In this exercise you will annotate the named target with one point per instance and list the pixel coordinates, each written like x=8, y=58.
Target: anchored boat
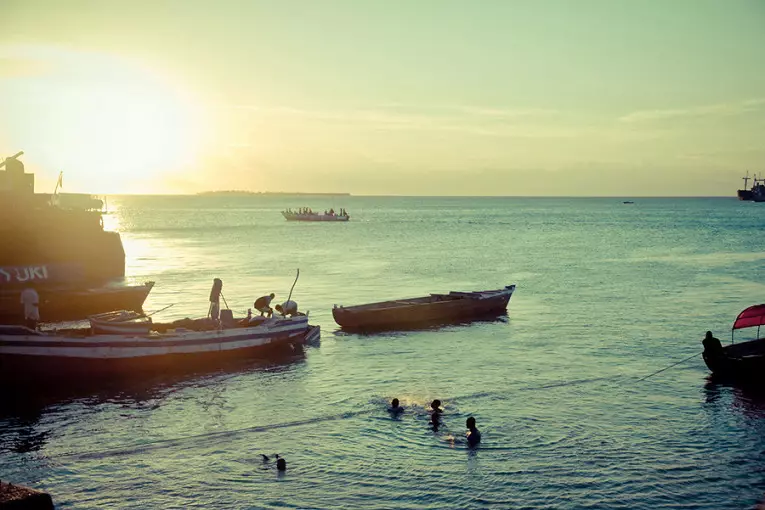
x=743, y=360
x=434, y=308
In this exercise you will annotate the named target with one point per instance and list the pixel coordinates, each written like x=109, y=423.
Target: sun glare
x=110, y=125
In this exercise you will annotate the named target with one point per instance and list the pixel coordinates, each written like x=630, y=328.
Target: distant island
x=241, y=193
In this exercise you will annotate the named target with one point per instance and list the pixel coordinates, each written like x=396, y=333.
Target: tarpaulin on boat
x=752, y=316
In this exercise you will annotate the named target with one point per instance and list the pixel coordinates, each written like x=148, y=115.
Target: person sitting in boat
x=712, y=345
x=31, y=302
x=331, y=212
x=263, y=305
x=473, y=434
x=288, y=308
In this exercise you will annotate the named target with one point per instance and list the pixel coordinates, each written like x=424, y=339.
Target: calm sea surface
x=607, y=293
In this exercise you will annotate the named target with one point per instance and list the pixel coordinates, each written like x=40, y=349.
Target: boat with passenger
x=743, y=360
x=431, y=309
x=307, y=214
x=126, y=343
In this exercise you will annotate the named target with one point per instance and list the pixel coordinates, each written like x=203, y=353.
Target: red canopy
x=752, y=316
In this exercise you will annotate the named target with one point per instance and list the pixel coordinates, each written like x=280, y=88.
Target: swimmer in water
x=436, y=406
x=473, y=434
x=394, y=407
x=435, y=421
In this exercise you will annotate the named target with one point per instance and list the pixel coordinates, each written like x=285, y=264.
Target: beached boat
x=432, y=309
x=178, y=345
x=293, y=216
x=743, y=360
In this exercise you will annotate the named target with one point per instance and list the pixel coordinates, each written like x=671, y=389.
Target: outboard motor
x=215, y=293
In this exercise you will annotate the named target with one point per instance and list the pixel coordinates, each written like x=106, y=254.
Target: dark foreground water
x=607, y=293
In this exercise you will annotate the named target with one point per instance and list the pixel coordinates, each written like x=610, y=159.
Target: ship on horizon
x=756, y=193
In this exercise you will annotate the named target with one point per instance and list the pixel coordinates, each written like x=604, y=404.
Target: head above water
x=435, y=405
x=281, y=465
x=394, y=403
x=470, y=423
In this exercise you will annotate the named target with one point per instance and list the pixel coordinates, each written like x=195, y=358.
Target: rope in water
x=170, y=442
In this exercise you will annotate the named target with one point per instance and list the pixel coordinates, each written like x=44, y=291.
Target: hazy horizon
x=427, y=98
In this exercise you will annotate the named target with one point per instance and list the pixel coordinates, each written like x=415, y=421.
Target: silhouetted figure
x=281, y=465
x=435, y=421
x=712, y=346
x=473, y=434
x=31, y=302
x=394, y=407
x=263, y=305
x=436, y=406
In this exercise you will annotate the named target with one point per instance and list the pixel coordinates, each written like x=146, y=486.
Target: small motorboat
x=432, y=309
x=743, y=360
x=312, y=216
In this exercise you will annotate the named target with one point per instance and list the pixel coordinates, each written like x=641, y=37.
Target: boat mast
x=746, y=179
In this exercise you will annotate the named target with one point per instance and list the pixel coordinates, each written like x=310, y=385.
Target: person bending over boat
x=263, y=305
x=473, y=434
x=289, y=307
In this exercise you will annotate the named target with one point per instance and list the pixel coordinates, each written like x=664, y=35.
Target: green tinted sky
x=415, y=97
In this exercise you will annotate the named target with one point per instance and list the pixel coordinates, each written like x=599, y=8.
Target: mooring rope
x=170, y=442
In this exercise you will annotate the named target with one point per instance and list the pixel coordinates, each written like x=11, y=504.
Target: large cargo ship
x=54, y=248
x=756, y=193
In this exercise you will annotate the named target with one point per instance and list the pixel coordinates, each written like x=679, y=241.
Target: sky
x=415, y=97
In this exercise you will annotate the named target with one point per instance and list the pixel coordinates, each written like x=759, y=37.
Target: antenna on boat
x=293, y=284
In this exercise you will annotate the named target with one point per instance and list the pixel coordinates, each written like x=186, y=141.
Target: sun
x=111, y=125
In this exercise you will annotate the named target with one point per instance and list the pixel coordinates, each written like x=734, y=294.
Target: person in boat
x=331, y=212
x=263, y=305
x=712, y=345
x=395, y=408
x=31, y=302
x=288, y=308
x=473, y=434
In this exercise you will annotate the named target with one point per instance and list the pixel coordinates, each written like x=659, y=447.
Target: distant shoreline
x=236, y=193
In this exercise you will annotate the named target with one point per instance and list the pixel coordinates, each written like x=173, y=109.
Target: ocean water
x=607, y=293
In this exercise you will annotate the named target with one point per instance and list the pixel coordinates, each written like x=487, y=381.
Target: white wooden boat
x=122, y=322
x=168, y=346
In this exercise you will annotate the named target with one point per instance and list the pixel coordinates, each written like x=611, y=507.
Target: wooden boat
x=292, y=216
x=743, y=360
x=65, y=304
x=185, y=343
x=121, y=322
x=435, y=308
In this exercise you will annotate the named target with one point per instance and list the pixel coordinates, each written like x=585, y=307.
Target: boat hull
x=741, y=361
x=66, y=304
x=33, y=356
x=399, y=315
